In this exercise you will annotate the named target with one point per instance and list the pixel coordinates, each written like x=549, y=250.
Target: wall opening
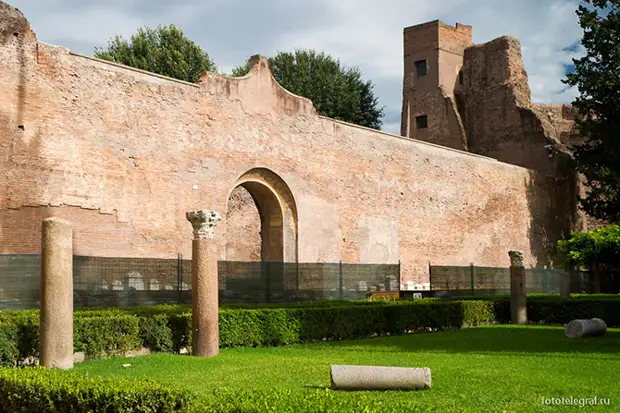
x=421, y=122
x=261, y=219
x=420, y=68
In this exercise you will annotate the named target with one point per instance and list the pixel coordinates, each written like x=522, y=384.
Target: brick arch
x=278, y=213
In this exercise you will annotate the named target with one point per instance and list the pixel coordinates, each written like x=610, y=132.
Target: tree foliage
x=164, y=50
x=600, y=246
x=596, y=250
x=597, y=77
x=336, y=91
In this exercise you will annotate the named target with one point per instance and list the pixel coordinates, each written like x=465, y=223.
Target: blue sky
x=362, y=33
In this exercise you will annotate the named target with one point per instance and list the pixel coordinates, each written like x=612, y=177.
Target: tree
x=164, y=50
x=596, y=250
x=336, y=91
x=597, y=77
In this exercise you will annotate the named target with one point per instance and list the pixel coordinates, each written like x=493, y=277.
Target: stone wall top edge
x=429, y=144
x=133, y=69
x=438, y=23
x=422, y=25
x=261, y=63
x=502, y=40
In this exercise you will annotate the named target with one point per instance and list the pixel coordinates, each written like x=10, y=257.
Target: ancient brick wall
x=124, y=154
x=243, y=232
x=500, y=120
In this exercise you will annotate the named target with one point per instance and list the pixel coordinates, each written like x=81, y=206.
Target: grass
x=490, y=368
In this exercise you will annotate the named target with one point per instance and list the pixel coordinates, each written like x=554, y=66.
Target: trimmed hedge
x=113, y=331
x=42, y=390
x=95, y=336
x=274, y=327
x=553, y=310
x=108, y=332
x=37, y=389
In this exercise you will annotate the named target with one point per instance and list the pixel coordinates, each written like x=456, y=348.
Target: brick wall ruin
x=491, y=96
x=124, y=154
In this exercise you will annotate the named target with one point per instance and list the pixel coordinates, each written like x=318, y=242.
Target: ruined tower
x=476, y=98
x=433, y=58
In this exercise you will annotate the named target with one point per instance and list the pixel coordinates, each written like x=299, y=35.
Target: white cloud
x=362, y=33
x=93, y=26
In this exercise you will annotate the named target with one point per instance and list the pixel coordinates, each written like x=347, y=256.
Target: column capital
x=203, y=221
x=516, y=258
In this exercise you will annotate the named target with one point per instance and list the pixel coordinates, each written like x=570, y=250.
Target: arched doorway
x=261, y=219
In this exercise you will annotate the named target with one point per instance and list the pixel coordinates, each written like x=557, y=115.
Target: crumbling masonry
x=123, y=154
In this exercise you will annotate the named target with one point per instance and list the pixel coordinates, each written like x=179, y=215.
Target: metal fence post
x=179, y=278
x=473, y=272
x=430, y=277
x=340, y=280
x=268, y=272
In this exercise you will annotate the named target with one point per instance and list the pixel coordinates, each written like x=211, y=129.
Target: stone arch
x=277, y=211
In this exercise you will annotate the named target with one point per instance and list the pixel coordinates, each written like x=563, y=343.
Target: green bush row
x=553, y=310
x=168, y=328
x=105, y=332
x=42, y=390
x=273, y=327
x=37, y=389
x=95, y=336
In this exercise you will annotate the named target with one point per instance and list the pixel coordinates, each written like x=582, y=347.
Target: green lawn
x=491, y=368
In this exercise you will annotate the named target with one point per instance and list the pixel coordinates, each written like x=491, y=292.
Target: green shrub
x=101, y=336
x=181, y=329
x=155, y=333
x=253, y=328
x=9, y=352
x=553, y=310
x=41, y=390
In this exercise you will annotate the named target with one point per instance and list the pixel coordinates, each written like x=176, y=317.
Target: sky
x=363, y=33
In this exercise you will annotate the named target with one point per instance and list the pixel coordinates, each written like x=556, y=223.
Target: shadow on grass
x=493, y=339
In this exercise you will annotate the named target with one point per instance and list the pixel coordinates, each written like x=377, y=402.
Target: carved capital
x=203, y=221
x=516, y=258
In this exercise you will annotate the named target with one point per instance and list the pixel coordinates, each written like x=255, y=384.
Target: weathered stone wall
x=123, y=155
x=243, y=232
x=560, y=119
x=501, y=121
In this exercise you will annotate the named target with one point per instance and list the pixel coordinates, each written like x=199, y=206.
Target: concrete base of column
x=56, y=329
x=379, y=378
x=205, y=322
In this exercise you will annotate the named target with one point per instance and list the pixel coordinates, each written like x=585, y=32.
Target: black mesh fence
x=20, y=283
x=473, y=280
x=128, y=282
x=281, y=282
x=131, y=282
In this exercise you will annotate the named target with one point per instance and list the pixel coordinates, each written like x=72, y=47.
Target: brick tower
x=433, y=57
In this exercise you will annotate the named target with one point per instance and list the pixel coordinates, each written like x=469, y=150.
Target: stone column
x=56, y=315
x=518, y=309
x=205, y=322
